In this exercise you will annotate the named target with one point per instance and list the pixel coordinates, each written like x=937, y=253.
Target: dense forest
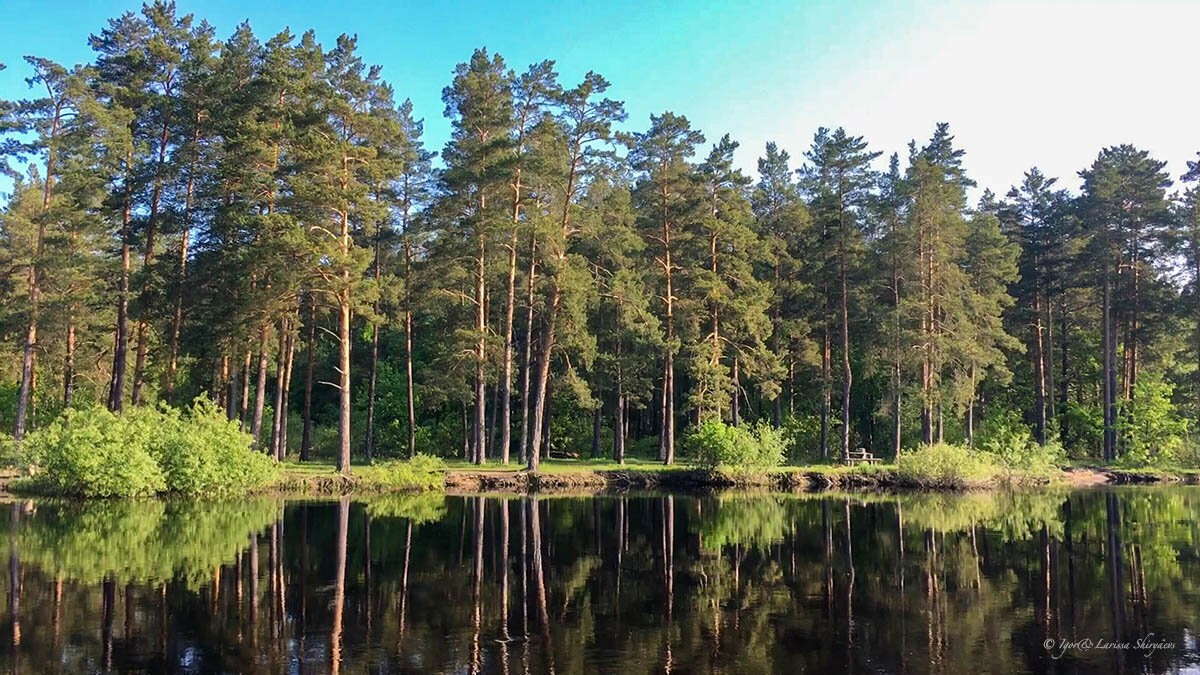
x=261, y=222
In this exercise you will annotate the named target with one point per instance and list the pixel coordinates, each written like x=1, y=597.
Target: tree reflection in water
x=622, y=584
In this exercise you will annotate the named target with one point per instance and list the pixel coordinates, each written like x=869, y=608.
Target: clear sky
x=1021, y=83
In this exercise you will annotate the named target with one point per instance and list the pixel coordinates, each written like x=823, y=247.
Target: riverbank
x=558, y=476
x=297, y=479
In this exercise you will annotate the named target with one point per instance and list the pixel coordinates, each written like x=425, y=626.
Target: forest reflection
x=740, y=583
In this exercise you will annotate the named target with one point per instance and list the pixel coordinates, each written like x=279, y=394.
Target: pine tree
x=838, y=179
x=989, y=260
x=586, y=122
x=784, y=226
x=893, y=252
x=479, y=103
x=1036, y=212
x=666, y=201
x=1126, y=214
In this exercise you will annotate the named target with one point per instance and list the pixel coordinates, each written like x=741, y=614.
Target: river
x=1056, y=581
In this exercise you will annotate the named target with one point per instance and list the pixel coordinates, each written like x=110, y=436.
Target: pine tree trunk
x=277, y=420
x=1064, y=380
x=971, y=411
x=1048, y=350
x=287, y=390
x=1108, y=369
x=306, y=436
x=527, y=353
x=847, y=375
x=369, y=444
x=668, y=415
x=896, y=364
x=1039, y=371
x=181, y=269
x=230, y=395
x=260, y=389
x=540, y=410
x=143, y=347
x=480, y=451
x=506, y=373
x=826, y=384
x=737, y=393
x=25, y=388
x=69, y=368
x=619, y=422
x=245, y=407
x=777, y=402
x=116, y=389
x=343, y=458
x=493, y=423
x=597, y=421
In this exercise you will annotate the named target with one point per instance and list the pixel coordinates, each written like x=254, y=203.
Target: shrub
x=802, y=434
x=946, y=464
x=423, y=472
x=95, y=453
x=1151, y=429
x=1015, y=449
x=715, y=444
x=202, y=452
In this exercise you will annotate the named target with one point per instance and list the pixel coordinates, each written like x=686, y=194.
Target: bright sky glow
x=1021, y=83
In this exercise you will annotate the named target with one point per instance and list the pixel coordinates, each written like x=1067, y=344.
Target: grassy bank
x=600, y=474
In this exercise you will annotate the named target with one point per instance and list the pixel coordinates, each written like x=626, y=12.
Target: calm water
x=620, y=584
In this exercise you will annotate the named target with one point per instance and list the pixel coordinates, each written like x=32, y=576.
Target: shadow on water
x=926, y=583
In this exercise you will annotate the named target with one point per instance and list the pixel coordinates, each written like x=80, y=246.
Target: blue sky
x=1046, y=83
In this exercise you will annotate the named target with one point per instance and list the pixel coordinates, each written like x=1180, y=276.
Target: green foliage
x=752, y=521
x=944, y=464
x=94, y=453
x=715, y=444
x=424, y=507
x=423, y=472
x=142, y=540
x=1086, y=427
x=1012, y=444
x=202, y=453
x=1152, y=430
x=802, y=436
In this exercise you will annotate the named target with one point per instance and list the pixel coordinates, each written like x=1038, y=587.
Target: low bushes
x=943, y=464
x=201, y=452
x=1014, y=449
x=94, y=453
x=423, y=472
x=715, y=445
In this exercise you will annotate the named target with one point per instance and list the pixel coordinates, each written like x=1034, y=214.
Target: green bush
x=802, y=434
x=94, y=453
x=423, y=472
x=946, y=464
x=1012, y=444
x=202, y=452
x=715, y=444
x=1152, y=432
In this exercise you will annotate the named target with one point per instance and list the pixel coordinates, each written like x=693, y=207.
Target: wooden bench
x=860, y=456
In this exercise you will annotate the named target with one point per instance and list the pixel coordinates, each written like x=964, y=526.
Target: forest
x=257, y=220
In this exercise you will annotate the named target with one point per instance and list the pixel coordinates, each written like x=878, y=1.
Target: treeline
x=262, y=222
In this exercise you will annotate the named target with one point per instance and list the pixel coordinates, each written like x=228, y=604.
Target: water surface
x=620, y=584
